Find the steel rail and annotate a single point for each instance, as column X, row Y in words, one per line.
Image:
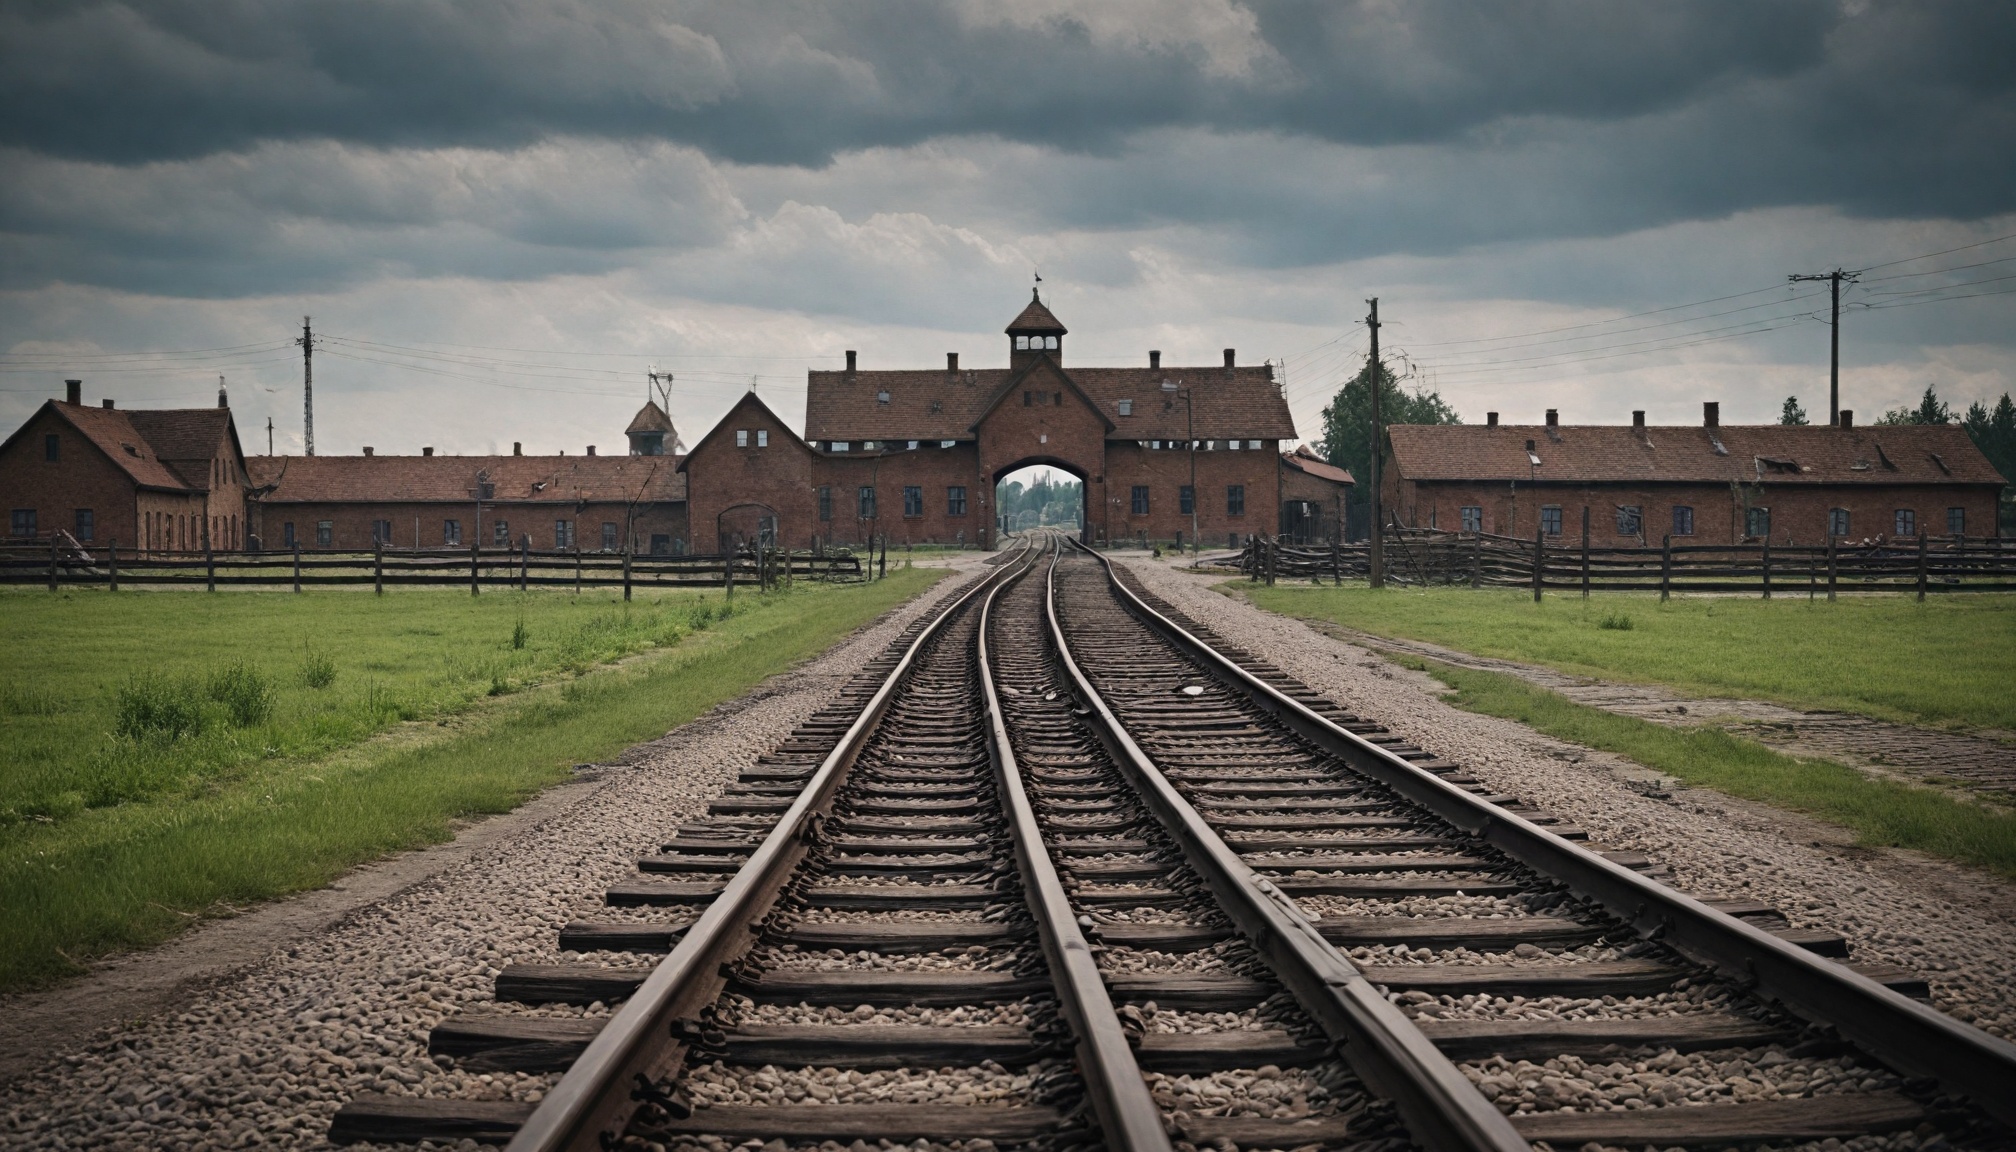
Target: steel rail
column 614, row 1075
column 1913, row 1037
column 1442, row 1110
column 1128, row 1116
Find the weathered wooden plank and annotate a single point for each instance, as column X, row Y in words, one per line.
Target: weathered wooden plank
column 1596, row 978
column 1426, row 885
column 1811, row 1118
column 512, row 1043
column 900, row 937
column 1259, row 1132
column 567, row 983
column 1484, row 935
column 886, row 988
column 1342, row 862
column 1193, row 1054
column 883, row 897
column 602, row 936
column 1191, row 993
column 847, row 1122
column 646, row 893
column 1517, row 1039
column 408, row 1120
column 878, row 1046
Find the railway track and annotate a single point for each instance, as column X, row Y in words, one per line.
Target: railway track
column 1044, row 874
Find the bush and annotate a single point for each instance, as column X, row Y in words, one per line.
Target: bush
column 150, row 704
column 1616, row 622
column 245, row 693
column 519, row 635
column 700, row 616
column 317, row 669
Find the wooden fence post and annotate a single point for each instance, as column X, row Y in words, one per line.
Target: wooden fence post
column 577, row 568
column 728, row 571
column 1766, row 567
column 209, row 569
column 626, row 574
column 1666, row 568
column 378, row 567
column 1921, row 566
column 1833, row 543
column 112, row 553
column 297, row 566
column 882, row 569
column 1477, row 561
column 1539, row 560
column 473, row 559
column 525, row 562
column 1336, row 563
column 1585, row 553
column 52, row 561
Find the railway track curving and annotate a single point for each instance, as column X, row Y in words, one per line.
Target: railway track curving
column 1060, row 869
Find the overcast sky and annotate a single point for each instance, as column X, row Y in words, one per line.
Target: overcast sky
column 501, row 214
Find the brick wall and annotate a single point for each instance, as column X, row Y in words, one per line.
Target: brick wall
column 1165, row 471
column 1797, row 513
column 928, row 467
column 350, row 524
column 723, row 481
column 80, row 478
column 1055, row 426
column 1329, row 496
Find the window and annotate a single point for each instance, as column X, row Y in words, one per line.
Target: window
column 839, row 445
column 608, row 536
column 23, row 523
column 946, row 443
column 1028, row 399
column 1235, row 499
column 762, row 437
column 325, row 533
column 913, row 446
column 1232, row 445
column 87, row 523
column 563, row 534
column 1186, row 499
column 381, row 531
column 1683, row 520
column 1126, row 407
column 1253, row 444
column 1837, row 522
column 955, row 500
column 1022, row 345
column 913, row 500
column 882, row 397
column 741, row 437
column 868, row 445
column 825, row 502
column 864, row 501
column 1473, row 517
column 1907, row 522
column 1757, row 522
column 1139, row 506
column 1050, row 342
column 451, row 532
column 1233, row 539
column 1956, row 522
column 500, row 534
column 1627, row 519
column 287, row 536
column 52, row 447
column 1550, row 519
column 661, row 544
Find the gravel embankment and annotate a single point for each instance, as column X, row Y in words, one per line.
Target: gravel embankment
column 1716, row 846
column 265, row 1059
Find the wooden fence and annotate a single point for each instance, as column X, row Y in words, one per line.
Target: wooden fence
column 63, row 564
column 1423, row 557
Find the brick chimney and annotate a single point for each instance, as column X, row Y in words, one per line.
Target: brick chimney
column 73, row 391
column 1154, row 358
column 367, row 450
column 517, row 448
column 1847, row 417
column 1711, row 414
column 1553, row 418
column 426, row 451
column 1228, row 358
column 1490, row 419
column 951, row 361
column 107, row 402
column 1638, row 421
column 591, row 449
column 222, row 400
column 850, row 362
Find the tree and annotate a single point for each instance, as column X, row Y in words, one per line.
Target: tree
column 1994, row 432
column 1792, row 412
column 1930, row 410
column 1347, row 421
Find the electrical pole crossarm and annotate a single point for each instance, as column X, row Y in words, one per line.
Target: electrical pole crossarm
column 1834, row 280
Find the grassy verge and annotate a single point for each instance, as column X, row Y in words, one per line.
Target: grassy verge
column 1880, row 812
column 132, row 873
column 1949, row 661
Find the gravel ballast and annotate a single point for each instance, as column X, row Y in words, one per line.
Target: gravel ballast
column 1892, row 907
column 265, row 1058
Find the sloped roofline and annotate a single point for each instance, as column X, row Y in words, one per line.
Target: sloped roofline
column 1015, row 378
column 747, row 399
column 61, row 411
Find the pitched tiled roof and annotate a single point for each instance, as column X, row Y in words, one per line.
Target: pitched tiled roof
column 1303, row 460
column 1036, row 318
column 649, row 418
column 182, row 433
column 112, row 431
column 390, row 479
column 939, row 405
column 1778, row 454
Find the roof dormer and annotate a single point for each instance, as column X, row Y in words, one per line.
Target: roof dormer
column 1033, row 334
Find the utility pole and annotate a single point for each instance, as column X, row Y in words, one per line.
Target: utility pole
column 1375, row 555
column 307, row 343
column 1834, row 279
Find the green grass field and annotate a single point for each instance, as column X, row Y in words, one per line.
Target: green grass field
column 1881, row 812
column 1949, row 661
column 169, row 755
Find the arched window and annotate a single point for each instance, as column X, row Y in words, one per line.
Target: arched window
column 1021, row 343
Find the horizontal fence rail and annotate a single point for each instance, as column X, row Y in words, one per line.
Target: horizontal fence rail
column 110, row 566
column 1426, row 557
